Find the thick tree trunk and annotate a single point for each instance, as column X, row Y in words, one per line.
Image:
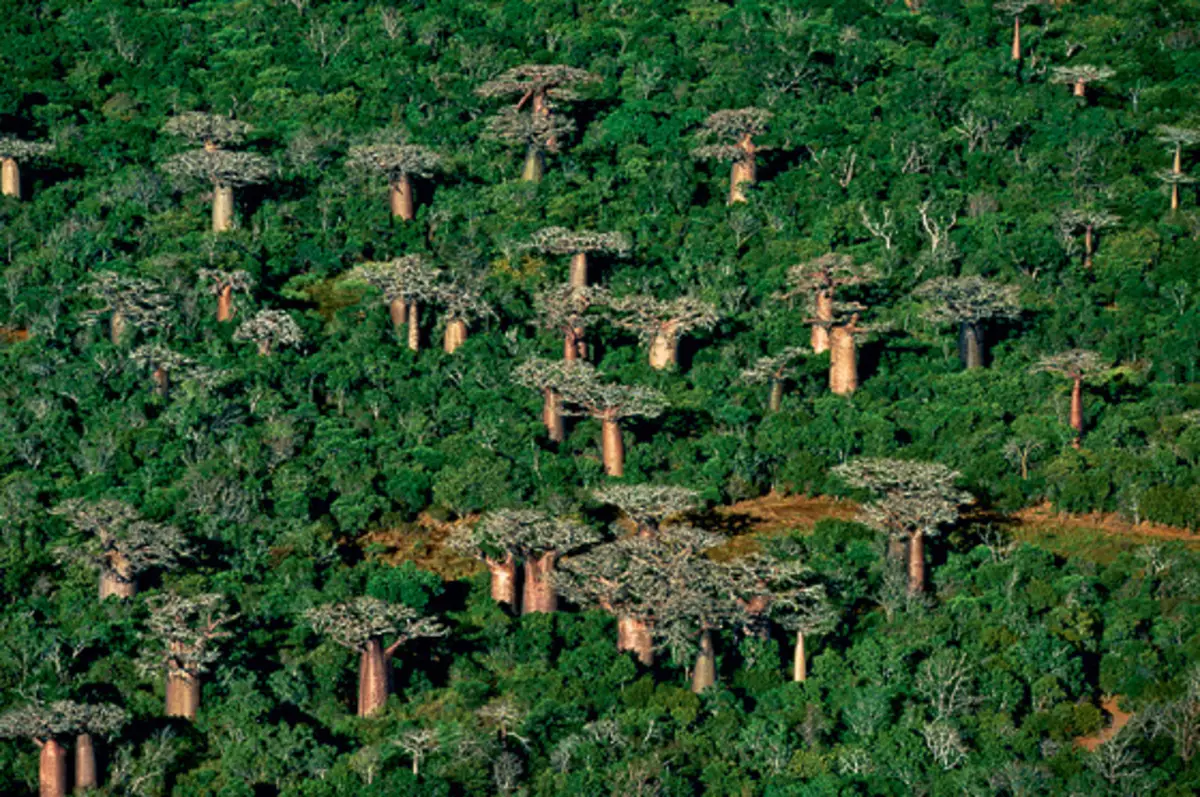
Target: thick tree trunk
column 52, row 770
column 1177, row 166
column 612, row 447
column 776, row 398
column 970, row 345
column 1088, row 246
column 664, row 349
column 571, row 345
column 264, row 347
column 414, row 327
column 535, row 166
column 843, row 361
column 1080, row 89
column 743, row 172
column 162, row 381
column 824, row 318
column 916, row 563
column 115, row 585
column 552, row 416
column 456, row 335
column 10, row 178
column 85, row 763
column 183, row 695
column 579, row 270
column 705, row 673
column 117, row 326
column 1016, row 44
column 222, row 208
column 539, row 594
column 799, row 664
column 504, row 580
column 372, row 679
column 1077, row 410
column 225, row 304
column 400, row 198
column 398, row 311
column 1174, row 196
column 634, row 635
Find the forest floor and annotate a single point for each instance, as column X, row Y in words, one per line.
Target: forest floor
column 1119, row 719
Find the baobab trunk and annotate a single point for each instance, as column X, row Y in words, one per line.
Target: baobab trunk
column 85, row 763
column 414, row 327
column 372, row 679
column 1174, row 196
column 1080, row 88
column 1016, row 47
column 222, row 208
column 264, row 347
column 612, row 447
column 162, row 382
column 535, row 166
column 1077, row 410
column 504, row 580
column 843, row 361
column 539, row 594
column 183, row 695
column 705, row 674
column 579, row 270
column 634, row 635
column 398, row 310
column 970, row 344
column 824, row 319
column 116, row 327
column 664, row 349
column 776, row 399
column 916, row 563
column 400, row 198
column 456, row 335
column 10, row 178
column 115, row 585
column 743, row 171
column 799, row 665
column 225, row 303
column 552, row 416
column 1087, row 246
column 52, row 770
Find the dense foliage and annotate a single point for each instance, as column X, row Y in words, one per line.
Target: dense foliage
column 223, row 329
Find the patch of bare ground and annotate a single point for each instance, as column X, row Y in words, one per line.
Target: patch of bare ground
column 1118, row 719
column 423, row 542
column 1044, row 516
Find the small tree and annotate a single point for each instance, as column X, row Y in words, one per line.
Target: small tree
column 361, row 625
column 1079, row 77
column 399, row 163
column 561, row 241
column 47, row 724
column 269, row 329
column 545, row 376
column 534, row 133
column 1176, row 139
column 660, row 323
column 1014, row 9
column 127, row 300
column 968, row 302
column 1077, row 365
column 224, row 169
column 506, row 536
column 648, row 505
column 583, row 393
column 222, row 284
column 12, row 151
column 735, row 131
column 464, row 304
column 819, row 280
column 569, row 311
column 911, row 500
column 773, row 371
column 1091, row 221
column 161, row 362
column 406, row 283
column 118, row 543
column 180, row 638
column 541, row 86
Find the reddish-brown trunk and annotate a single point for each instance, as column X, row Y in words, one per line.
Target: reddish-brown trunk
column 414, row 327
column 1077, row 409
column 823, row 317
column 456, row 335
column 664, row 349
column 843, row 361
column 970, row 336
column 612, row 447
column 504, row 580
column 10, row 178
column 52, row 770
column 705, row 673
column 225, row 304
column 372, row 679
column 916, row 563
column 1016, row 44
column 162, row 382
column 116, row 585
column 579, row 270
column 634, row 635
column 222, row 208
column 799, row 664
column 571, row 345
column 85, row 763
column 1177, row 167
column 264, row 347
column 743, row 171
column 1080, row 88
column 539, row 594
column 398, row 311
column 1174, row 196
column 183, row 695
column 400, row 198
column 1087, row 246
column 552, row 415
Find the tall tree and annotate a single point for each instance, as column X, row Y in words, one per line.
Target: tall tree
column 270, row 329
column 47, row 724
column 361, row 625
column 649, row 505
column 968, row 302
column 1089, row 219
column 399, row 163
column 1080, row 77
column 660, row 323
column 1014, row 9
column 180, row 639
column 911, row 500
column 464, row 305
column 561, row 241
column 819, row 280
column 541, row 87
column 12, row 152
column 774, row 371
column 115, row 540
column 162, row 363
column 533, row 133
column 222, row 284
column 1177, row 139
column 735, row 131
column 844, row 333
column 406, row 283
column 224, row 169
column 569, row 311
column 128, row 300
column 546, row 377
column 1077, row 365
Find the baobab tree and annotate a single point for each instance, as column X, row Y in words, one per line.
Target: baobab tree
column 180, row 639
column 128, row 301
column 507, row 536
column 115, row 540
column 541, row 86
column 1080, row 77
column 1014, row 9
column 269, row 329
column 911, row 500
column 222, row 284
column 361, row 625
column 1176, row 139
column 734, row 132
column 161, row 362
column 224, row 169
column 844, row 333
column 464, row 305
column 968, row 302
column 774, row 370
column 819, row 280
column 406, row 283
column 48, row 725
column 399, row 163
column 545, row 376
column 1076, row 365
column 569, row 311
column 1091, row 221
column 660, row 323
column 510, row 126
column 649, row 505
column 561, row 241
column 12, row 152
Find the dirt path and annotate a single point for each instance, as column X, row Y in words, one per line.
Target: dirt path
column 1119, row 720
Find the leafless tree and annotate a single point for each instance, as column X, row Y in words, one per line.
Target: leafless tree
column 1076, row 365
column 773, row 371
column 569, row 311
column 819, row 280
column 883, row 228
column 945, row 744
column 12, row 151
column 361, row 625
column 1091, row 221
column 128, row 300
column 418, row 743
column 48, row 723
column 733, row 133
column 222, row 284
column 561, row 241
column 968, row 302
column 406, row 283
column 1117, row 762
column 945, row 680
column 270, row 329
column 1014, row 9
column 1079, row 77
column 464, row 305
column 180, row 638
column 649, row 506
column 1179, row 719
column 1018, row 451
column 399, row 162
column 164, row 363
column 1176, row 139
column 660, row 323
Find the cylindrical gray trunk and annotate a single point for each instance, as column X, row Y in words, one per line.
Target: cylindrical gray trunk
column 970, row 344
column 705, row 673
column 10, row 178
column 85, row 763
column 222, row 208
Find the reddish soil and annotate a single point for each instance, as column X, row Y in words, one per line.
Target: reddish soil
column 10, row 335
column 1107, row 523
column 1118, row 719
